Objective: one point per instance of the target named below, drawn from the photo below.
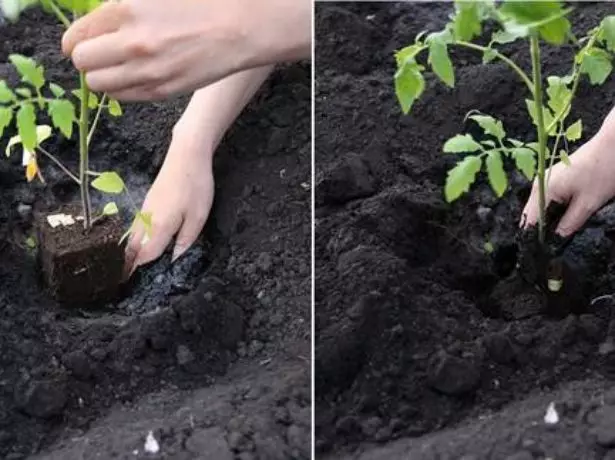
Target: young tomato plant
(549, 102)
(36, 97)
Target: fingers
(106, 19)
(187, 235)
(529, 216)
(576, 215)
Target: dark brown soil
(211, 353)
(81, 267)
(427, 348)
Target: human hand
(585, 185)
(179, 200)
(153, 49)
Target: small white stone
(151, 445)
(56, 220)
(551, 416)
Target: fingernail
(177, 252)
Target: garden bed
(422, 351)
(211, 353)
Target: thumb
(105, 19)
(576, 215)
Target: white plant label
(65, 220)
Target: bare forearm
(213, 109)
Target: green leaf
(525, 161)
(467, 21)
(559, 95)
(461, 177)
(409, 85)
(109, 182)
(489, 55)
(574, 131)
(440, 61)
(490, 125)
(92, 100)
(6, 115)
(24, 92)
(512, 32)
(26, 126)
(28, 69)
(461, 143)
(31, 242)
(6, 95)
(115, 109)
(488, 247)
(596, 63)
(79, 6)
(110, 209)
(63, 116)
(546, 114)
(57, 90)
(607, 32)
(488, 143)
(547, 16)
(495, 173)
(563, 154)
(408, 53)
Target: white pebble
(151, 445)
(55, 220)
(551, 416)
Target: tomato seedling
(549, 102)
(35, 98)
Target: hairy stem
(84, 118)
(542, 134)
(502, 58)
(59, 164)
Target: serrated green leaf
(110, 209)
(440, 61)
(563, 155)
(461, 143)
(115, 109)
(28, 69)
(596, 64)
(109, 182)
(558, 94)
(57, 90)
(24, 92)
(63, 116)
(490, 125)
(6, 95)
(516, 142)
(409, 85)
(461, 177)
(546, 114)
(488, 143)
(467, 20)
(547, 16)
(408, 53)
(574, 131)
(525, 161)
(26, 126)
(495, 173)
(607, 32)
(6, 115)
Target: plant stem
(542, 134)
(59, 14)
(84, 118)
(96, 118)
(502, 58)
(58, 164)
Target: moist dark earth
(422, 352)
(211, 354)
